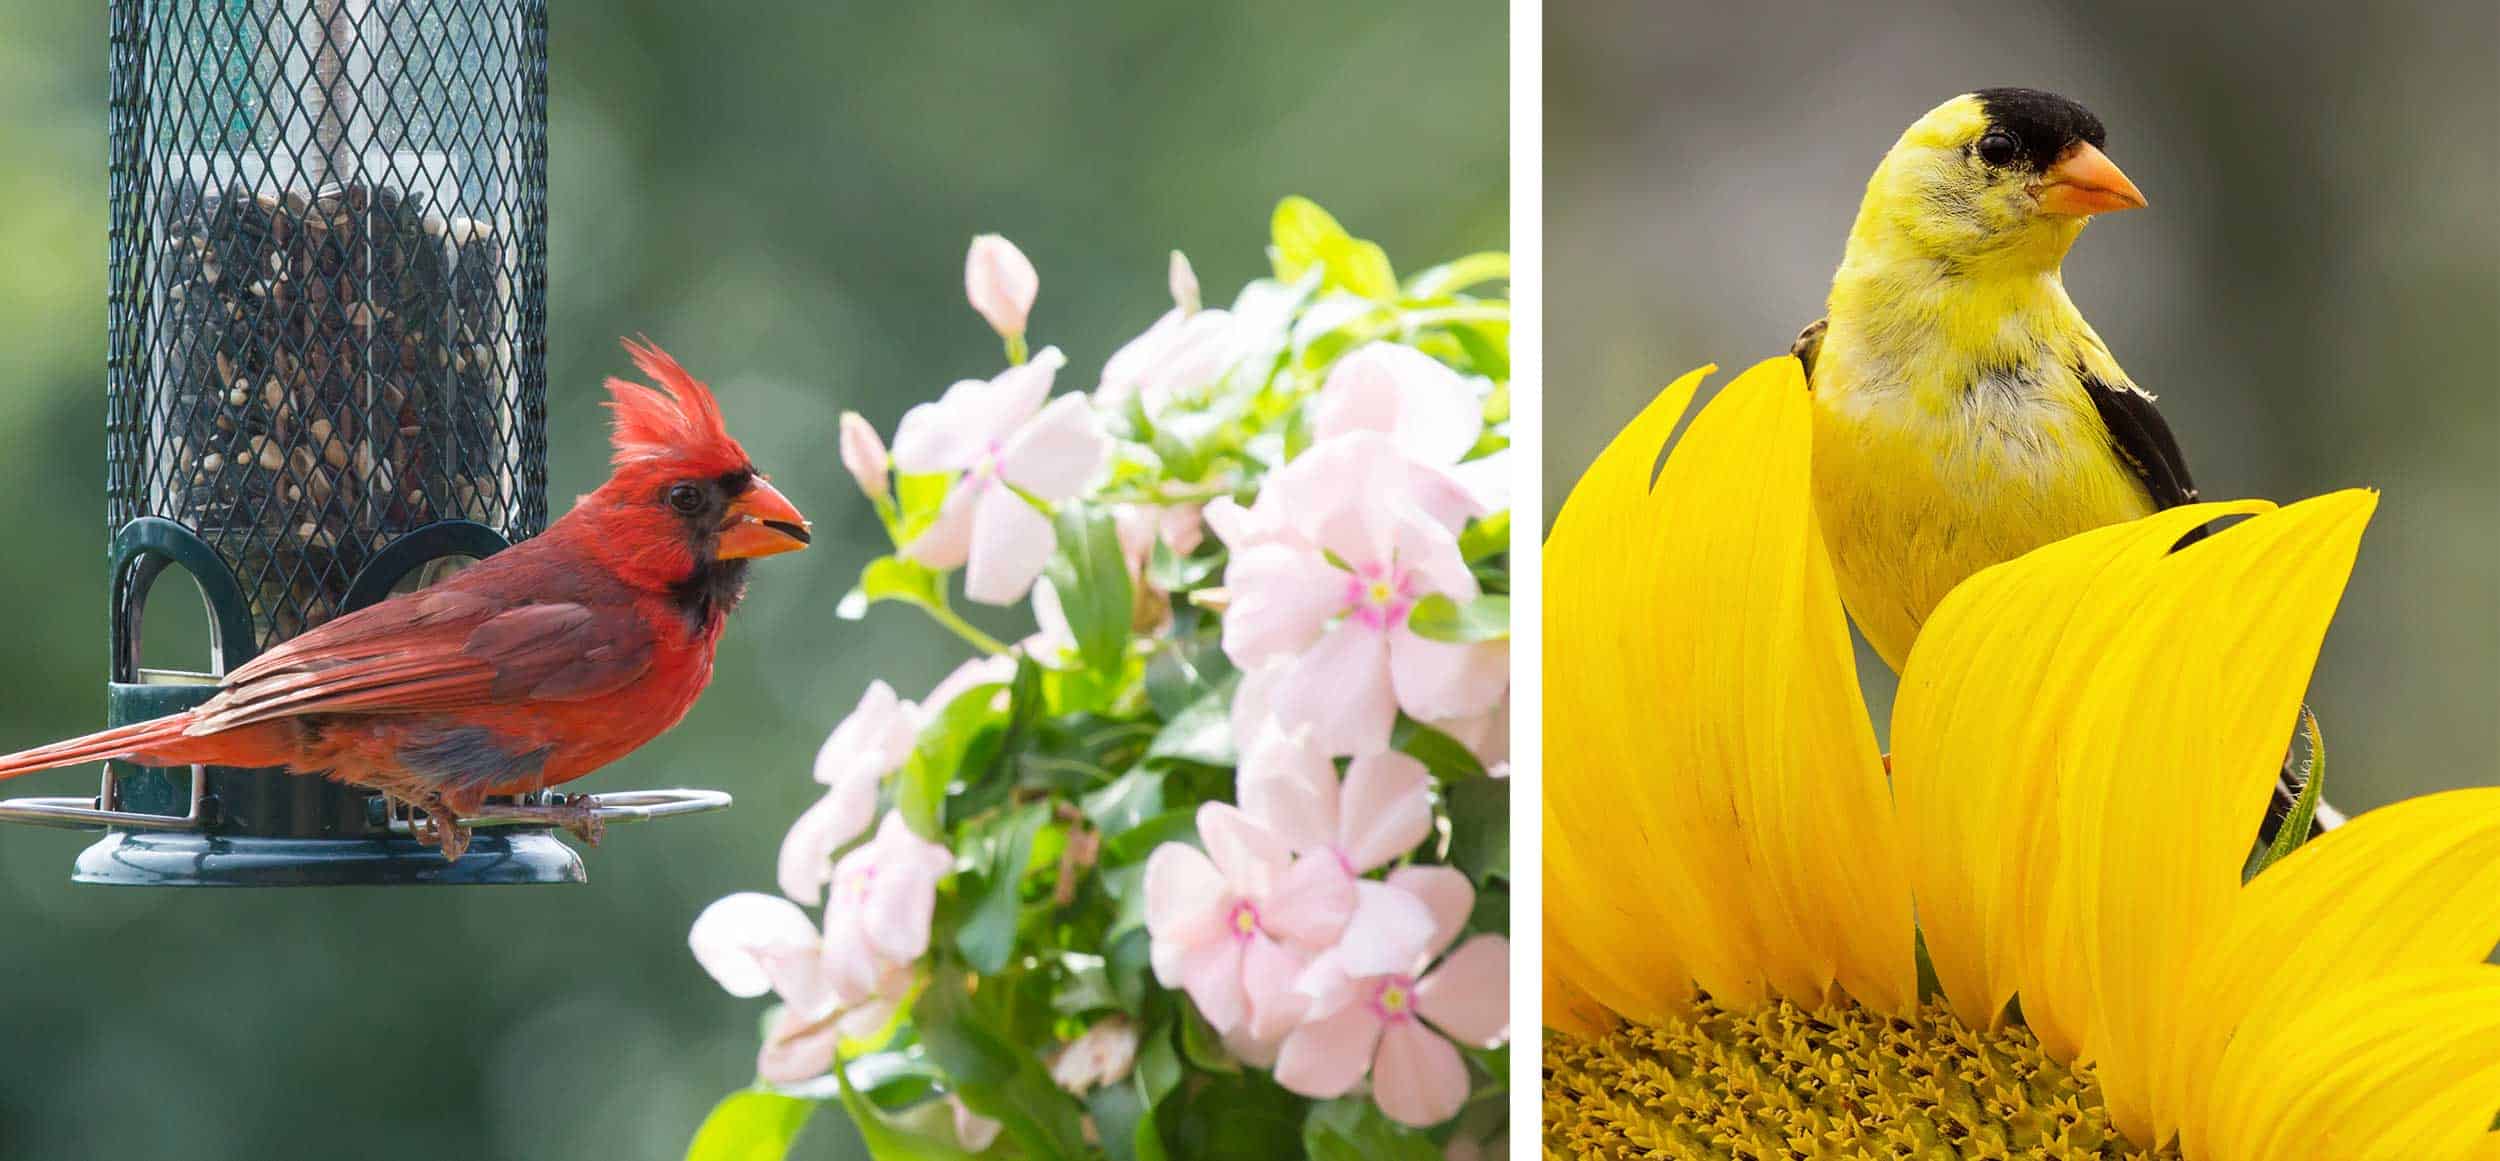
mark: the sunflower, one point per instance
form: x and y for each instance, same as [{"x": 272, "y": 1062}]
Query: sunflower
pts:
[{"x": 1738, "y": 896}]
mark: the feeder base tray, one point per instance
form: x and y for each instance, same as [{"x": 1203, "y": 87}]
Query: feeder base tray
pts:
[{"x": 174, "y": 859}]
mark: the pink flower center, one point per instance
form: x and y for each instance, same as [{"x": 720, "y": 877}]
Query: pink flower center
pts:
[
  {"x": 1244, "y": 921},
  {"x": 1393, "y": 999},
  {"x": 986, "y": 468},
  {"x": 855, "y": 886},
  {"x": 1378, "y": 596}
]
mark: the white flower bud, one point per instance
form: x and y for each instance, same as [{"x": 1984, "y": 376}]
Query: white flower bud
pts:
[
  {"x": 1001, "y": 284},
  {"x": 1184, "y": 284},
  {"x": 864, "y": 454}
]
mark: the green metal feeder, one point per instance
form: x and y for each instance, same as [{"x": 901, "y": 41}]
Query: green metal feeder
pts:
[{"x": 326, "y": 384}]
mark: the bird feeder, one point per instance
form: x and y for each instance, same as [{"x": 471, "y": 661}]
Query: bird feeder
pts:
[{"x": 326, "y": 384}]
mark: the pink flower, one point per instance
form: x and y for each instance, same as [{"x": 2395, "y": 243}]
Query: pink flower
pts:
[
  {"x": 1233, "y": 926},
  {"x": 1326, "y": 579},
  {"x": 863, "y": 455},
  {"x": 869, "y": 744},
  {"x": 753, "y": 943},
  {"x": 1382, "y": 810},
  {"x": 1397, "y": 1027},
  {"x": 1184, "y": 281},
  {"x": 1420, "y": 403},
  {"x": 1101, "y": 1056},
  {"x": 877, "y": 918},
  {"x": 998, "y": 434},
  {"x": 1000, "y": 283},
  {"x": 1486, "y": 734}
]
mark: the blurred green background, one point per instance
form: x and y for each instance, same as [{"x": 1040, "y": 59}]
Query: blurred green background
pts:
[
  {"x": 2312, "y": 293},
  {"x": 781, "y": 194}
]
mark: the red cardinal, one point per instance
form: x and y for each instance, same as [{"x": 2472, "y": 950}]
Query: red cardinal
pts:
[{"x": 531, "y": 668}]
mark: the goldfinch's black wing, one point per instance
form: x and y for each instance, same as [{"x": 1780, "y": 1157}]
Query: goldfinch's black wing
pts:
[
  {"x": 2142, "y": 440},
  {"x": 1809, "y": 343}
]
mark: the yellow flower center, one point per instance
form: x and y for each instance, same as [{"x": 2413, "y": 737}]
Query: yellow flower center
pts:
[
  {"x": 1245, "y": 921},
  {"x": 1840, "y": 1081},
  {"x": 1393, "y": 998}
]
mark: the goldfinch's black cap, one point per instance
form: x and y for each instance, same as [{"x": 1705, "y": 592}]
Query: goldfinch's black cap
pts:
[{"x": 2044, "y": 123}]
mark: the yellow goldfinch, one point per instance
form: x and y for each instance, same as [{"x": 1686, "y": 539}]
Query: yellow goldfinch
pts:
[{"x": 1965, "y": 413}]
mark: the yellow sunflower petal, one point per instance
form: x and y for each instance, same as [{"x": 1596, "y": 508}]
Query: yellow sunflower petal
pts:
[
  {"x": 1707, "y": 744},
  {"x": 2398, "y": 1069},
  {"x": 1975, "y": 761},
  {"x": 2172, "y": 745},
  {"x": 2406, "y": 888},
  {"x": 1616, "y": 892}
]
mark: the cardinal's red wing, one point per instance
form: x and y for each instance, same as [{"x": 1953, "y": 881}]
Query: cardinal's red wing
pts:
[{"x": 435, "y": 650}]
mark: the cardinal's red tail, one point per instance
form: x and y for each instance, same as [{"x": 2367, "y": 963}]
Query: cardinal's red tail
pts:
[{"x": 146, "y": 737}]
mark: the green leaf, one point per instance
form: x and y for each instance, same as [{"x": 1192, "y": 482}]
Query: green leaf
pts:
[
  {"x": 1354, "y": 1129},
  {"x": 1451, "y": 277},
  {"x": 1304, "y": 236},
  {"x": 1487, "y": 346},
  {"x": 1203, "y": 733},
  {"x": 1438, "y": 618},
  {"x": 950, "y": 741},
  {"x": 1090, "y": 575},
  {"x": 1449, "y": 759},
  {"x": 1486, "y": 538},
  {"x": 989, "y": 933},
  {"x": 893, "y": 578},
  {"x": 919, "y": 497},
  {"x": 753, "y": 1125},
  {"x": 995, "y": 1077},
  {"x": 1479, "y": 826},
  {"x": 1243, "y": 1116},
  {"x": 2295, "y": 830},
  {"x": 1202, "y": 1045},
  {"x": 887, "y": 1141}
]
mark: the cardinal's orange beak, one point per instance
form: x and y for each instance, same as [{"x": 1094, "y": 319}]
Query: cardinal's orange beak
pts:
[
  {"x": 2085, "y": 181},
  {"x": 762, "y": 522}
]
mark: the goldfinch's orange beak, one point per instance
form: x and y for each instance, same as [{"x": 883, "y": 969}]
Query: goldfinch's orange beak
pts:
[
  {"x": 762, "y": 522},
  {"x": 2085, "y": 181}
]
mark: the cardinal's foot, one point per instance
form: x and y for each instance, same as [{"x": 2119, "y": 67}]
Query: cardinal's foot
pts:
[{"x": 579, "y": 816}]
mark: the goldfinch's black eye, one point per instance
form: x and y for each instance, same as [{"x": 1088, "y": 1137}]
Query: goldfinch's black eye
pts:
[
  {"x": 686, "y": 498},
  {"x": 1998, "y": 148}
]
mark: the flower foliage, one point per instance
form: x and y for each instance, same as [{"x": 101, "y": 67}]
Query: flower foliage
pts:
[{"x": 1212, "y": 863}]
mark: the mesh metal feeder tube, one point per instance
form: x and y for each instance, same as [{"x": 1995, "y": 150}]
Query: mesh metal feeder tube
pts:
[{"x": 326, "y": 376}]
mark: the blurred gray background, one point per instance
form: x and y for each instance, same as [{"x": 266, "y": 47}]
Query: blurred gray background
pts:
[
  {"x": 2312, "y": 294},
  {"x": 781, "y": 194}
]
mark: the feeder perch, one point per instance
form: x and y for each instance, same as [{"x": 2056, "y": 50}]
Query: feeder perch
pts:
[{"x": 326, "y": 383}]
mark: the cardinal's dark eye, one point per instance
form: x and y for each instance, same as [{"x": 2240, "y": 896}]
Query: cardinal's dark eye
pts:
[
  {"x": 686, "y": 498},
  {"x": 1998, "y": 148}
]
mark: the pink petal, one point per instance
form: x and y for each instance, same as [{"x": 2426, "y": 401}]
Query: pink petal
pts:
[
  {"x": 870, "y": 1017},
  {"x": 872, "y": 740},
  {"x": 1418, "y": 1078},
  {"x": 1290, "y": 788},
  {"x": 1310, "y": 904},
  {"x": 1468, "y": 996},
  {"x": 1487, "y": 733},
  {"x": 1282, "y": 598},
  {"x": 796, "y": 1048},
  {"x": 1054, "y": 456},
  {"x": 1255, "y": 1051},
  {"x": 1325, "y": 1059},
  {"x": 1389, "y": 931},
  {"x": 1127, "y": 368},
  {"x": 1011, "y": 541},
  {"x": 948, "y": 434},
  {"x": 990, "y": 669},
  {"x": 1339, "y": 691},
  {"x": 1240, "y": 528},
  {"x": 1421, "y": 403},
  {"x": 1186, "y": 898},
  {"x": 751, "y": 942},
  {"x": 1052, "y": 639},
  {"x": 1450, "y": 497},
  {"x": 1386, "y": 809},
  {"x": 1436, "y": 679},
  {"x": 806, "y": 860},
  {"x": 851, "y": 967},
  {"x": 1211, "y": 974},
  {"x": 1268, "y": 970},
  {"x": 1181, "y": 526},
  {"x": 1017, "y": 392},
  {"x": 1251, "y": 714},
  {"x": 1341, "y": 495},
  {"x": 972, "y": 1130},
  {"x": 1445, "y": 893},
  {"x": 1429, "y": 552},
  {"x": 1250, "y": 855},
  {"x": 947, "y": 541},
  {"x": 1487, "y": 480}
]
